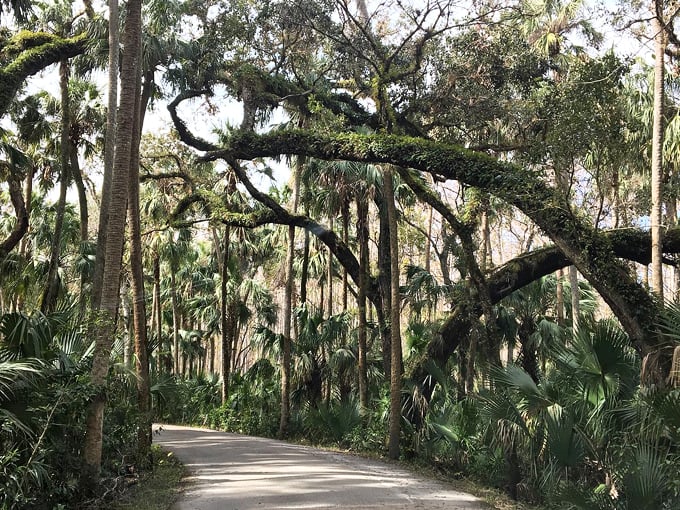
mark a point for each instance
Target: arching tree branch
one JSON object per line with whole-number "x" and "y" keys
{"x": 31, "y": 52}
{"x": 588, "y": 250}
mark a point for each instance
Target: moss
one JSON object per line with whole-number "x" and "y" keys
{"x": 27, "y": 53}
{"x": 589, "y": 249}
{"x": 217, "y": 211}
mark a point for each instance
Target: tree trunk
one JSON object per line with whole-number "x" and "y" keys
{"x": 49, "y": 298}
{"x": 395, "y": 374}
{"x": 575, "y": 299}
{"x": 25, "y": 244}
{"x": 84, "y": 219}
{"x": 345, "y": 239}
{"x": 486, "y": 260}
{"x": 329, "y": 276}
{"x": 224, "y": 320}
{"x": 108, "y": 305}
{"x": 384, "y": 282}
{"x": 657, "y": 148}
{"x": 470, "y": 368}
{"x": 304, "y": 274}
{"x": 175, "y": 323}
{"x": 559, "y": 297}
{"x": 287, "y": 312}
{"x": 138, "y": 297}
{"x": 127, "y": 321}
{"x": 428, "y": 251}
{"x": 166, "y": 360}
{"x": 672, "y": 215}
{"x": 109, "y": 153}
{"x": 362, "y": 237}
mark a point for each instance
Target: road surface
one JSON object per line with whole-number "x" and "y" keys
{"x": 234, "y": 472}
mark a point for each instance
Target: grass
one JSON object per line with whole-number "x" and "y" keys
{"x": 156, "y": 490}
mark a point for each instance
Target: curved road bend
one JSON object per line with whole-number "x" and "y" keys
{"x": 234, "y": 472}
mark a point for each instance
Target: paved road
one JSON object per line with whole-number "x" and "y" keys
{"x": 233, "y": 472}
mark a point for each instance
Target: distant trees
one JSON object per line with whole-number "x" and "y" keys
{"x": 484, "y": 138}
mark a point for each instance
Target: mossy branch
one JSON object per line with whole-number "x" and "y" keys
{"x": 583, "y": 245}
{"x": 630, "y": 244}
{"x": 28, "y": 53}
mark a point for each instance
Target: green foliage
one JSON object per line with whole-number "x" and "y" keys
{"x": 253, "y": 404}
{"x": 185, "y": 400}
{"x": 43, "y": 401}
{"x": 332, "y": 423}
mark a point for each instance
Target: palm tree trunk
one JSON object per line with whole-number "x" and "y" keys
{"x": 486, "y": 261}
{"x": 384, "y": 281}
{"x": 226, "y": 338}
{"x": 25, "y": 243}
{"x": 672, "y": 215}
{"x": 109, "y": 153}
{"x": 575, "y": 299}
{"x": 84, "y": 219}
{"x": 345, "y": 239}
{"x": 126, "y": 317}
{"x": 287, "y": 309}
{"x": 559, "y": 297}
{"x": 108, "y": 304}
{"x": 657, "y": 148}
{"x": 362, "y": 235}
{"x": 329, "y": 275}
{"x": 395, "y": 337}
{"x": 428, "y": 251}
{"x": 175, "y": 323}
{"x": 138, "y": 297}
{"x": 470, "y": 369}
{"x": 164, "y": 360}
{"x": 49, "y": 297}
{"x": 24, "y": 246}
{"x": 304, "y": 274}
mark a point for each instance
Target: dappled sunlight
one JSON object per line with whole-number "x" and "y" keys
{"x": 232, "y": 471}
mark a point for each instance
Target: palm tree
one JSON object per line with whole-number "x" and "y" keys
{"x": 109, "y": 150}
{"x": 395, "y": 322}
{"x": 287, "y": 311}
{"x": 548, "y": 22}
{"x": 108, "y": 304}
{"x": 660, "y": 43}
{"x": 137, "y": 279}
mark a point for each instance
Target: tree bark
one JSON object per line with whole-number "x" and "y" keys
{"x": 49, "y": 297}
{"x": 21, "y": 225}
{"x": 108, "y": 307}
{"x": 395, "y": 337}
{"x": 84, "y": 220}
{"x": 345, "y": 239}
{"x": 304, "y": 274}
{"x": 175, "y": 324}
{"x": 657, "y": 147}
{"x": 109, "y": 152}
{"x": 287, "y": 314}
{"x": 138, "y": 295}
{"x": 329, "y": 275}
{"x": 575, "y": 299}
{"x": 224, "y": 319}
{"x": 384, "y": 284}
{"x": 559, "y": 297}
{"x": 362, "y": 237}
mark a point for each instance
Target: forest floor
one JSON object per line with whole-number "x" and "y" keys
{"x": 230, "y": 471}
